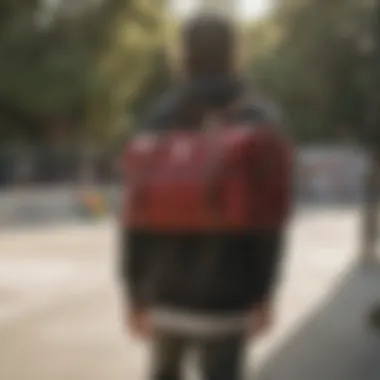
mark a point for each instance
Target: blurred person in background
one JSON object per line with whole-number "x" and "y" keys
{"x": 181, "y": 296}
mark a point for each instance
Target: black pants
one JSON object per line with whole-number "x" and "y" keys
{"x": 220, "y": 359}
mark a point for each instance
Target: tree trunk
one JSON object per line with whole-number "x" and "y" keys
{"x": 371, "y": 212}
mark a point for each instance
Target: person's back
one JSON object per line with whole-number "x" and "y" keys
{"x": 180, "y": 292}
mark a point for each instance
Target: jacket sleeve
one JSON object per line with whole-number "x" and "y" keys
{"x": 133, "y": 257}
{"x": 268, "y": 256}
{"x": 269, "y": 253}
{"x": 266, "y": 263}
{"x": 133, "y": 262}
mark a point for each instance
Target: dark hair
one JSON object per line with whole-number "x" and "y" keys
{"x": 208, "y": 46}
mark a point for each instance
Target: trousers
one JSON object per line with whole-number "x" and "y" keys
{"x": 219, "y": 358}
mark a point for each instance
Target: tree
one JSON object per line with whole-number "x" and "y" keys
{"x": 317, "y": 65}
{"x": 71, "y": 71}
{"x": 371, "y": 227}
{"x": 60, "y": 66}
{"x": 125, "y": 59}
{"x": 324, "y": 69}
{"x": 42, "y": 71}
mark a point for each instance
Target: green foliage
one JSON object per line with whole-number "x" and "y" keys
{"x": 98, "y": 67}
{"x": 125, "y": 62}
{"x": 82, "y": 68}
{"x": 317, "y": 66}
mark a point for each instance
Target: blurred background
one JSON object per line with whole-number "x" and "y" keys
{"x": 75, "y": 77}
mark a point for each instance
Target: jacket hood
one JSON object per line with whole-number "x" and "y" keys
{"x": 213, "y": 91}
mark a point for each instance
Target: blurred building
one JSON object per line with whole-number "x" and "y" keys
{"x": 331, "y": 174}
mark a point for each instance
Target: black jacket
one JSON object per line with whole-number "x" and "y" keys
{"x": 200, "y": 273}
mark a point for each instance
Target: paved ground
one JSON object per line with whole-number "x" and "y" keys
{"x": 59, "y": 311}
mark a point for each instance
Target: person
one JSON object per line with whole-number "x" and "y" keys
{"x": 181, "y": 296}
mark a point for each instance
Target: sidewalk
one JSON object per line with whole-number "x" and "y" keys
{"x": 60, "y": 315}
{"x": 335, "y": 342}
